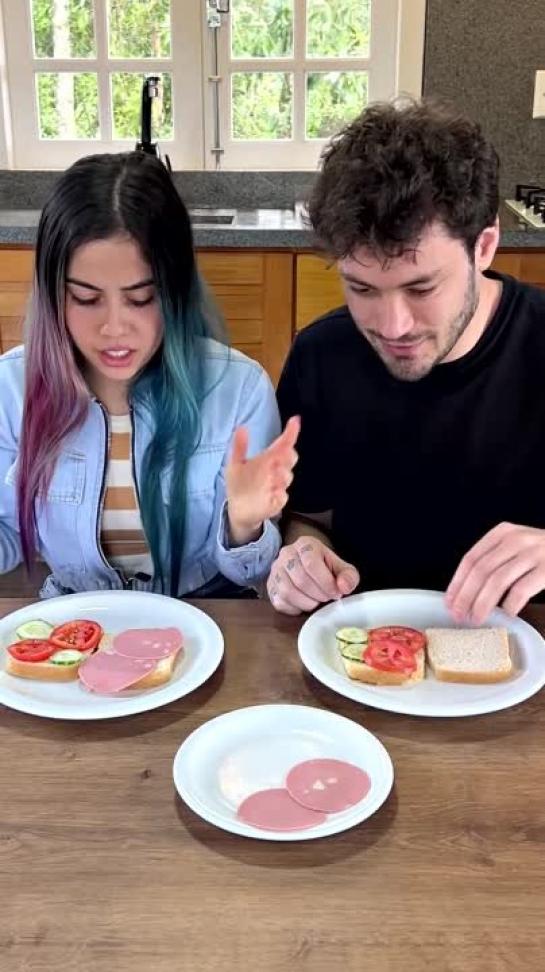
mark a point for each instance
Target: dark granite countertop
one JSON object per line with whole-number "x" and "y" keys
{"x": 255, "y": 228}
{"x": 248, "y": 228}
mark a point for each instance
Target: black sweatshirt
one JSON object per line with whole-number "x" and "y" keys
{"x": 416, "y": 472}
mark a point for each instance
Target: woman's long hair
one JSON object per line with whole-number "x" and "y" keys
{"x": 97, "y": 198}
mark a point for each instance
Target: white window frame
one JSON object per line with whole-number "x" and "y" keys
{"x": 398, "y": 36}
{"x": 6, "y": 140}
{"x": 24, "y": 146}
{"x": 394, "y": 66}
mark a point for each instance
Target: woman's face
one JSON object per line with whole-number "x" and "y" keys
{"x": 112, "y": 311}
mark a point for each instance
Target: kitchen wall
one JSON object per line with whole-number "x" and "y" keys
{"x": 483, "y": 54}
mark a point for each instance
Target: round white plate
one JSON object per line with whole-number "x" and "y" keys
{"x": 115, "y": 611}
{"x": 246, "y": 750}
{"x": 419, "y": 609}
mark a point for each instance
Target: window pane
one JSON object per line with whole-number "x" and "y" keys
{"x": 127, "y": 104}
{"x": 339, "y": 29}
{"x": 261, "y": 28}
{"x": 139, "y": 28}
{"x": 262, "y": 105}
{"x": 67, "y": 105}
{"x": 333, "y": 99}
{"x": 63, "y": 28}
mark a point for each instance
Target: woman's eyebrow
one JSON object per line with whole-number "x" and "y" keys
{"x": 136, "y": 286}
{"x": 81, "y": 283}
{"x": 141, "y": 283}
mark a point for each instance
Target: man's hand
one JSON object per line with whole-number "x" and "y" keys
{"x": 257, "y": 488}
{"x": 307, "y": 573}
{"x": 506, "y": 567}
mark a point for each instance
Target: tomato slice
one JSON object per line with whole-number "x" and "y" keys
{"x": 32, "y": 650}
{"x": 79, "y": 635}
{"x": 398, "y": 635}
{"x": 390, "y": 657}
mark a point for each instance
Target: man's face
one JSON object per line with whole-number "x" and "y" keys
{"x": 414, "y": 309}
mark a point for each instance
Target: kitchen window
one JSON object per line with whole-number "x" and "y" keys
{"x": 245, "y": 83}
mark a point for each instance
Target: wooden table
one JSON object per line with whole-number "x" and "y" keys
{"x": 104, "y": 869}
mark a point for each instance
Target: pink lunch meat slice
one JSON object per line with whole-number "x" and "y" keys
{"x": 275, "y": 810}
{"x": 147, "y": 643}
{"x": 330, "y": 785}
{"x": 107, "y": 673}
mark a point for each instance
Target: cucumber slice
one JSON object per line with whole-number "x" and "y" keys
{"x": 34, "y": 629}
{"x": 352, "y": 636}
{"x": 66, "y": 656}
{"x": 351, "y": 643}
{"x": 351, "y": 652}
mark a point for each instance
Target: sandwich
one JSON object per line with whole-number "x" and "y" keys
{"x": 137, "y": 658}
{"x": 393, "y": 655}
{"x": 474, "y": 655}
{"x": 52, "y": 654}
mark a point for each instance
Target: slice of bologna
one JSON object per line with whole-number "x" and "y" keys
{"x": 275, "y": 810}
{"x": 330, "y": 785}
{"x": 107, "y": 672}
{"x": 152, "y": 643}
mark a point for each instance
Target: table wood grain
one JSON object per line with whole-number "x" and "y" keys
{"x": 104, "y": 869}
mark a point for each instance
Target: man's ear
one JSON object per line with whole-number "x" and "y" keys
{"x": 486, "y": 246}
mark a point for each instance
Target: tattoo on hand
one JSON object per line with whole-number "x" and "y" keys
{"x": 291, "y": 563}
{"x": 278, "y": 577}
{"x": 306, "y": 548}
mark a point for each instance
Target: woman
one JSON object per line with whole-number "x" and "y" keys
{"x": 117, "y": 420}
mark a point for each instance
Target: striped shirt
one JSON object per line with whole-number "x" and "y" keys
{"x": 122, "y": 536}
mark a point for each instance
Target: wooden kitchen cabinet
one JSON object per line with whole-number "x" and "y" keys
{"x": 16, "y": 268}
{"x": 255, "y": 294}
{"x": 254, "y": 290}
{"x": 529, "y": 267}
{"x": 318, "y": 287}
{"x": 261, "y": 293}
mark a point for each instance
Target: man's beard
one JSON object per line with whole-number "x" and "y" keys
{"x": 409, "y": 369}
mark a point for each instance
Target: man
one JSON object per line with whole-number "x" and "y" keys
{"x": 422, "y": 447}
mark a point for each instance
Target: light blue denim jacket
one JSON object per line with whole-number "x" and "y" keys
{"x": 68, "y": 522}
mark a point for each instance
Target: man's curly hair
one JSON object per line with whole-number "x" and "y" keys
{"x": 396, "y": 169}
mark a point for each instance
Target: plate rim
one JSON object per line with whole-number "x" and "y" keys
{"x": 240, "y": 829}
{"x": 129, "y": 706}
{"x": 363, "y": 695}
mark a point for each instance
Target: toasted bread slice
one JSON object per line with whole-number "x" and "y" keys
{"x": 471, "y": 655}
{"x": 374, "y": 676}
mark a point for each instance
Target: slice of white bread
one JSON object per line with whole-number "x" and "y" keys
{"x": 44, "y": 671}
{"x": 472, "y": 655}
{"x": 158, "y": 676}
{"x": 375, "y": 676}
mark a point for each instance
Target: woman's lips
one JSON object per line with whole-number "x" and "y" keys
{"x": 117, "y": 357}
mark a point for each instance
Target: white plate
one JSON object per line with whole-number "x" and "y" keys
{"x": 115, "y": 611}
{"x": 418, "y": 609}
{"x": 238, "y": 753}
